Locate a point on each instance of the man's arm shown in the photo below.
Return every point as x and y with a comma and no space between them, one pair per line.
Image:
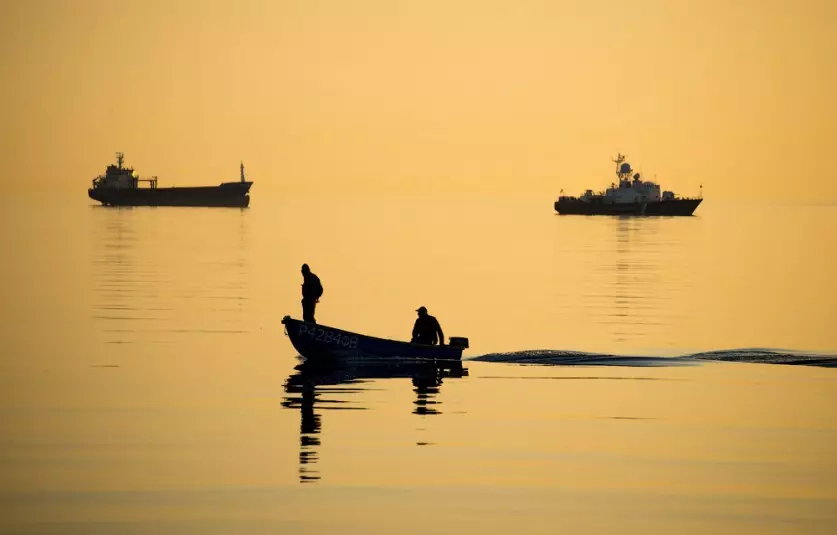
441,334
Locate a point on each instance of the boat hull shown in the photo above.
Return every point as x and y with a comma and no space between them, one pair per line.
230,194
673,207
318,342
679,207
598,207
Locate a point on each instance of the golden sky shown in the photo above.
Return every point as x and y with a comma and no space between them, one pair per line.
521,97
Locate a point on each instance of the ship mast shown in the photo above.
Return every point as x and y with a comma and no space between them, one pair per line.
242,171
623,176
618,160
119,158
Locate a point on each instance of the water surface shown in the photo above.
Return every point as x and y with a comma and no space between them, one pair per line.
147,386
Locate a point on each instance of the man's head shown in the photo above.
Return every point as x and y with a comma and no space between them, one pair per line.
422,311
305,269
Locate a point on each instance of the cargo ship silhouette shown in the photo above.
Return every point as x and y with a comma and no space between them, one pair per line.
120,186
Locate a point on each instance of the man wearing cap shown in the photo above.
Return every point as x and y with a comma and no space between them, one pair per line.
426,328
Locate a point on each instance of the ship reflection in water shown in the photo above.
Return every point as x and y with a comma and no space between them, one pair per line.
307,387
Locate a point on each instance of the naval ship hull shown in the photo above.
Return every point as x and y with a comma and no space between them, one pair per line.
231,194
574,206
673,207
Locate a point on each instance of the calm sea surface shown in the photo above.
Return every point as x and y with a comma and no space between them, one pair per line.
147,386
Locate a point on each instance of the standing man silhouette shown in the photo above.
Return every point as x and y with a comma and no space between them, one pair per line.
311,292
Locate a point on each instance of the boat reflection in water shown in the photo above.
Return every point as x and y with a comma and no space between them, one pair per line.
318,386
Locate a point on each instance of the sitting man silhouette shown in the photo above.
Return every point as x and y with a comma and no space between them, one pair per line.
426,329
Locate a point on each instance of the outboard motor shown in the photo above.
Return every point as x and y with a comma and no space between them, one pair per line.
458,341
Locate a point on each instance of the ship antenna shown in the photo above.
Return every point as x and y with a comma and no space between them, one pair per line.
242,171
119,157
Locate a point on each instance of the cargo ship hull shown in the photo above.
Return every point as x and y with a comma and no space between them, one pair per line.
231,194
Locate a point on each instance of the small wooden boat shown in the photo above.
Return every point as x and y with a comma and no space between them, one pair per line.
315,341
